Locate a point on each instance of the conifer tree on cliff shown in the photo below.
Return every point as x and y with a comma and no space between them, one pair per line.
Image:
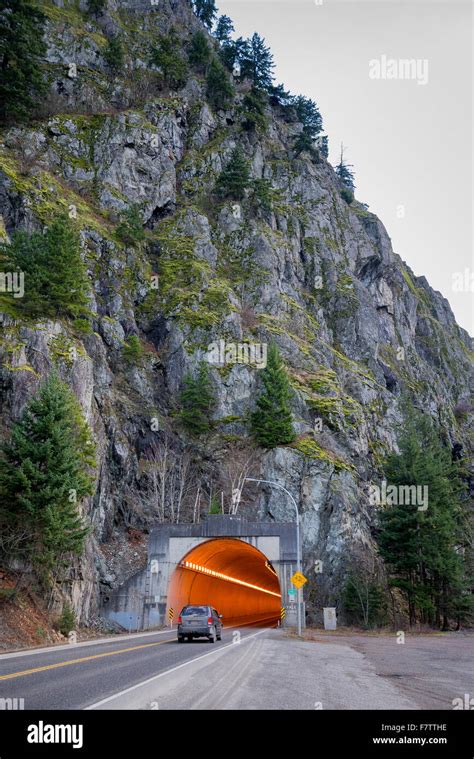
271,422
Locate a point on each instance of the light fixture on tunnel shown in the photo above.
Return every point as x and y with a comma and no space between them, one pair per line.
220,576
270,568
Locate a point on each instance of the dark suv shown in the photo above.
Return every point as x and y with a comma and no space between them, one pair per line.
199,622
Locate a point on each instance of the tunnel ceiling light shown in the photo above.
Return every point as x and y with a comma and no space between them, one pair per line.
220,576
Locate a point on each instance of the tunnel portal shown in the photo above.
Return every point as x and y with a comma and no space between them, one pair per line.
231,575
241,568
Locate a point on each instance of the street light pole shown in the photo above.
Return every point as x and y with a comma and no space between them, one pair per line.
298,561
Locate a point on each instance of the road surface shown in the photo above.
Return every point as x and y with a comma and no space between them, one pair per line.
251,668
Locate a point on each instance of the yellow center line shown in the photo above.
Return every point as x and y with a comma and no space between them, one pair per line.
78,661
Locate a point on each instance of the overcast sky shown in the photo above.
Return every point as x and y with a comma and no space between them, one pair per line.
410,143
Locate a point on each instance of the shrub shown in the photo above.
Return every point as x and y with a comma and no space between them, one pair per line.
130,230
133,350
67,621
113,54
262,196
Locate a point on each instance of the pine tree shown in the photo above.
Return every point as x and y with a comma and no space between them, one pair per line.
272,421
224,29
253,110
168,58
44,474
257,63
197,401
206,11
219,87
346,177
308,113
235,177
22,49
56,282
113,54
200,52
422,548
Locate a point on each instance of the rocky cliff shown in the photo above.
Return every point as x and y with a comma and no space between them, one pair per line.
356,329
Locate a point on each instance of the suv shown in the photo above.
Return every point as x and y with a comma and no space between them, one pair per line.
199,622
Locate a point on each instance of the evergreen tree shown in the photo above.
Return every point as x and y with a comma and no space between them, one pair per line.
200,52
206,11
168,58
197,401
423,548
67,621
56,282
224,29
272,421
22,50
280,96
231,52
235,177
253,110
219,87
308,113
44,474
346,177
256,61
113,54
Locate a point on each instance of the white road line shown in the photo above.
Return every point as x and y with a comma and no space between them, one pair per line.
84,643
168,671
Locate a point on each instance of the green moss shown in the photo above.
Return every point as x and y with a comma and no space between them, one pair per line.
311,450
48,197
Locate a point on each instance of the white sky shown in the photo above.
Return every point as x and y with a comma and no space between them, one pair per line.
410,144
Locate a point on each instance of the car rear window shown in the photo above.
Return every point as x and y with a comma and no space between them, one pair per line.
193,610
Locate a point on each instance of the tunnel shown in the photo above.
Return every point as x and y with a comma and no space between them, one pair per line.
232,576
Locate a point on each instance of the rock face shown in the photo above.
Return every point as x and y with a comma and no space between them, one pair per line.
356,329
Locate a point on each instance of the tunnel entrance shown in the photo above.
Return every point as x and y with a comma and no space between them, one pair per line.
243,569
231,575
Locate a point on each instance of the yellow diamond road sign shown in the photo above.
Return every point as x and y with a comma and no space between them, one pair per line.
299,579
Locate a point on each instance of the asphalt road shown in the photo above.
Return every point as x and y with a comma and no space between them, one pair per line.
251,668
76,676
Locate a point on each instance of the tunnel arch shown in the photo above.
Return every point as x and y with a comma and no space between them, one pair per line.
231,575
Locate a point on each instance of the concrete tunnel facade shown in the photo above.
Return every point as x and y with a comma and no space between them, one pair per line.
241,568
232,576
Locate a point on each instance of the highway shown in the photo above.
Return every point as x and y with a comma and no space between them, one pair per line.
77,676
253,667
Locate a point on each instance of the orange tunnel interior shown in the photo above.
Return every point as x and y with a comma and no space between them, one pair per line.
232,576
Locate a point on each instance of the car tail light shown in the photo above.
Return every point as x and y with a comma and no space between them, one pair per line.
179,620
209,620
